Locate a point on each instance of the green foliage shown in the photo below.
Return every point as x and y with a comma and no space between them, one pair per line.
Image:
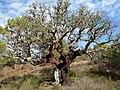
5,60
42,26
29,80
46,75
65,45
16,22
104,46
20,83
3,30
108,60
26,82
113,55
2,46
57,54
19,35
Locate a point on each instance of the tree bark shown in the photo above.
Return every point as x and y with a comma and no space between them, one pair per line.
65,74
28,50
64,66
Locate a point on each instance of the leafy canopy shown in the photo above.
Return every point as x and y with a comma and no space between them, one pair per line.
44,25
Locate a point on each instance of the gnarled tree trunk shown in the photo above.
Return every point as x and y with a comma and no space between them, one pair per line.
64,66
65,74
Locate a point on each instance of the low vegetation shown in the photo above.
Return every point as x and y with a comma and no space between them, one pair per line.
107,61
81,76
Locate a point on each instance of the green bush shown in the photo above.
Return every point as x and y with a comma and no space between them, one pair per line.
46,75
5,60
28,82
2,47
108,61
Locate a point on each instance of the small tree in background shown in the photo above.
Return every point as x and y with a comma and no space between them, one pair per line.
108,59
3,46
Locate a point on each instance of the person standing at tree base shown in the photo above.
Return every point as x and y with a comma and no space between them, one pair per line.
56,76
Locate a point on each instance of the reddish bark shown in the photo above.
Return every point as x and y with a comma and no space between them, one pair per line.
67,59
65,64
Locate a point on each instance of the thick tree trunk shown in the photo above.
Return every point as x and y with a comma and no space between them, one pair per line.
65,73
65,76
64,68
65,64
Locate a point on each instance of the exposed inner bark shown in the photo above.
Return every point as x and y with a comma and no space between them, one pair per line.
67,59
64,66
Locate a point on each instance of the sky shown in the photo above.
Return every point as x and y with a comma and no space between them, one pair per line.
14,8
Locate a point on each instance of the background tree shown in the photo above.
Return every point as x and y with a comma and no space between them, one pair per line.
3,46
107,59
47,29
21,36
17,40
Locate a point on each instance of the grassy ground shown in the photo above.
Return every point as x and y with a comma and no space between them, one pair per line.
41,78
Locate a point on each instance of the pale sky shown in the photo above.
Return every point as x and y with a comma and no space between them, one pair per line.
14,8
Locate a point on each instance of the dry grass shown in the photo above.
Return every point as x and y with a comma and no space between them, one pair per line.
20,70
80,75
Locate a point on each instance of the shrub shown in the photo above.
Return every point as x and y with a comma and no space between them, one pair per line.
46,75
108,61
5,60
